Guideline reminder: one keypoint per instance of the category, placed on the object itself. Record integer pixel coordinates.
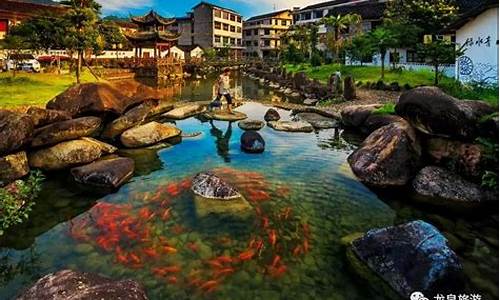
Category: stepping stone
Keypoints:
(291, 126)
(106, 173)
(251, 125)
(185, 111)
(222, 115)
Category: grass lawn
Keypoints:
(413, 78)
(35, 89)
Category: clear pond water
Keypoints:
(303, 199)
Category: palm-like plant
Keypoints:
(383, 39)
(335, 26)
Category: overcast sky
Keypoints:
(170, 8)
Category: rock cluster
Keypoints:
(67, 134)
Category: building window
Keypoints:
(256, 43)
(226, 40)
(217, 13)
(238, 42)
(238, 19)
(225, 27)
(284, 23)
(318, 14)
(217, 39)
(218, 25)
(306, 16)
(256, 32)
(233, 18)
(248, 43)
(248, 32)
(232, 28)
(267, 32)
(267, 43)
(238, 29)
(413, 57)
(225, 15)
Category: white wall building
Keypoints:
(478, 31)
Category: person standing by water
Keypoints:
(223, 89)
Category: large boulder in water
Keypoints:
(71, 285)
(66, 131)
(411, 257)
(441, 187)
(42, 117)
(68, 154)
(375, 121)
(12, 167)
(92, 99)
(185, 111)
(433, 112)
(148, 134)
(291, 126)
(131, 118)
(16, 131)
(213, 196)
(318, 121)
(356, 115)
(251, 124)
(107, 173)
(390, 156)
(272, 115)
(252, 142)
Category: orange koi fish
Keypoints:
(277, 272)
(192, 246)
(169, 250)
(306, 230)
(224, 259)
(258, 211)
(145, 213)
(172, 279)
(173, 189)
(166, 214)
(209, 285)
(306, 245)
(186, 184)
(172, 269)
(272, 237)
(177, 229)
(296, 251)
(215, 264)
(150, 252)
(265, 222)
(286, 213)
(134, 258)
(276, 261)
(165, 203)
(247, 255)
(223, 272)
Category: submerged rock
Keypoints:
(318, 121)
(441, 187)
(42, 117)
(390, 156)
(213, 196)
(251, 124)
(185, 111)
(222, 115)
(66, 131)
(15, 131)
(131, 118)
(91, 99)
(356, 115)
(12, 167)
(148, 134)
(433, 112)
(291, 126)
(252, 142)
(71, 285)
(106, 173)
(68, 154)
(411, 257)
(211, 186)
(272, 115)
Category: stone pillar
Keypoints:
(336, 84)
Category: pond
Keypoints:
(304, 199)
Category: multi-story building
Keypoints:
(13, 12)
(211, 26)
(262, 35)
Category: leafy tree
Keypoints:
(336, 25)
(300, 36)
(382, 39)
(361, 48)
(83, 30)
(440, 52)
(292, 54)
(14, 45)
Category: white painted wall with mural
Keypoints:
(480, 61)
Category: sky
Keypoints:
(170, 8)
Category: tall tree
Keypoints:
(439, 52)
(361, 48)
(14, 45)
(83, 29)
(336, 26)
(382, 39)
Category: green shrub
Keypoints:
(17, 200)
(471, 91)
(387, 109)
(316, 59)
(489, 178)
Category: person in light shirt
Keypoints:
(223, 89)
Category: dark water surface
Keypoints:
(302, 195)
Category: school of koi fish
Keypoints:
(129, 233)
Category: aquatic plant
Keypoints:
(17, 200)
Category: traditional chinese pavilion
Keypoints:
(152, 33)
